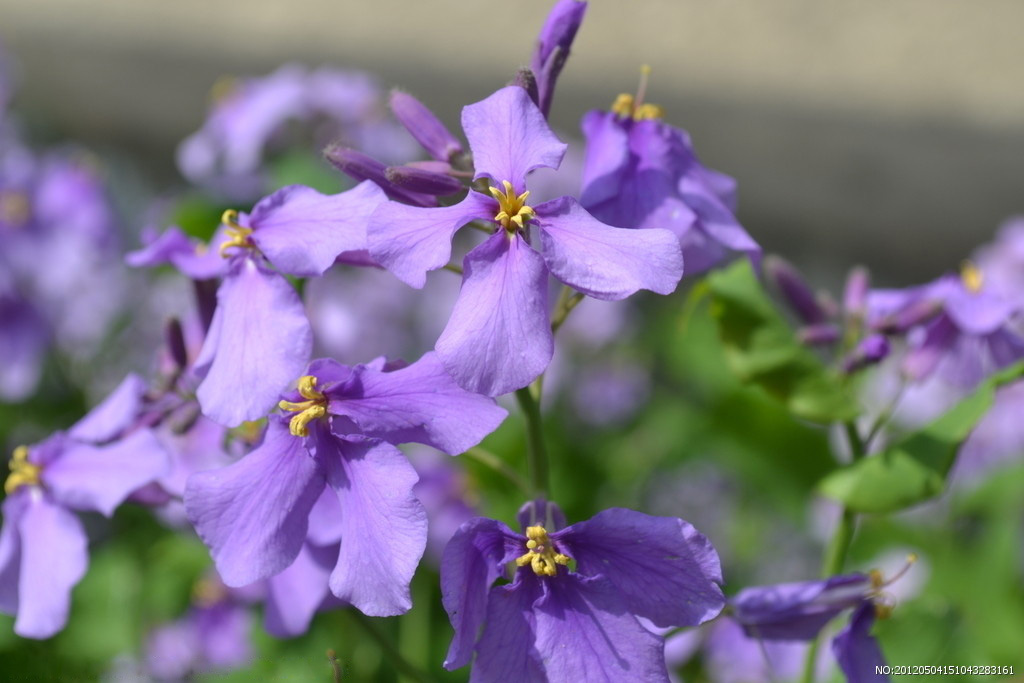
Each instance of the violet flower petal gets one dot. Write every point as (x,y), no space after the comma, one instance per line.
(507,651)
(856,650)
(586,633)
(302,232)
(384,525)
(602,261)
(114,414)
(663,568)
(54,557)
(498,338)
(798,610)
(294,595)
(509,137)
(410,241)
(100,478)
(253,514)
(472,561)
(262,342)
(421,403)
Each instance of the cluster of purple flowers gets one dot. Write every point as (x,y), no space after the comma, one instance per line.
(285,461)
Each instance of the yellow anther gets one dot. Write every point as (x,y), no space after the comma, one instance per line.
(207,592)
(314,408)
(14,208)
(238,235)
(23,473)
(541,555)
(512,207)
(628,106)
(972,277)
(884,602)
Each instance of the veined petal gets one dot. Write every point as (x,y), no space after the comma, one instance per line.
(384,527)
(409,241)
(54,557)
(114,414)
(797,610)
(507,651)
(294,595)
(10,549)
(302,231)
(606,159)
(586,633)
(856,650)
(253,514)
(509,137)
(473,559)
(325,525)
(498,338)
(602,261)
(421,403)
(100,478)
(263,342)
(662,567)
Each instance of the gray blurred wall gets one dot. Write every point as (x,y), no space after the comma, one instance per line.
(889,132)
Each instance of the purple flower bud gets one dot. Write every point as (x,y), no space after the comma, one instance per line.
(913,314)
(175,339)
(363,167)
(424,126)
(526,80)
(855,295)
(869,351)
(821,334)
(422,180)
(795,290)
(553,45)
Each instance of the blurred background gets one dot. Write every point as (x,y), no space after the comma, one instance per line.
(846,124)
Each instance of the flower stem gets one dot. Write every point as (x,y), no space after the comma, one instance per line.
(838,546)
(488,459)
(536,452)
(568,298)
(390,651)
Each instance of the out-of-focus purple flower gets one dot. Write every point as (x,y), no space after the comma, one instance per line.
(1002,261)
(611,394)
(213,636)
(870,350)
(250,120)
(552,49)
(797,293)
(732,656)
(499,336)
(444,491)
(42,543)
(254,515)
(642,173)
(23,342)
(996,441)
(970,330)
(259,338)
(556,624)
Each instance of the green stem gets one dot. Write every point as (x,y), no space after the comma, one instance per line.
(390,651)
(454,267)
(568,299)
(488,459)
(838,546)
(536,452)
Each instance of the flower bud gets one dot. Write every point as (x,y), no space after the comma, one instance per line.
(363,167)
(855,295)
(793,288)
(872,349)
(821,334)
(422,180)
(424,126)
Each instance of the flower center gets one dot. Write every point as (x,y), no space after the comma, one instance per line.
(972,277)
(238,235)
(628,106)
(306,411)
(541,555)
(512,208)
(23,473)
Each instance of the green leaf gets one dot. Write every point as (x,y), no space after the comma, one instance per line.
(914,468)
(761,349)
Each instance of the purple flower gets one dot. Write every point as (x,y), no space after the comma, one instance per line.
(259,338)
(996,441)
(212,636)
(42,543)
(255,514)
(960,328)
(499,337)
(731,656)
(642,173)
(555,623)
(798,611)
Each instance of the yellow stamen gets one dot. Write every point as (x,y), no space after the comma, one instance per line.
(207,592)
(512,207)
(23,473)
(541,555)
(972,277)
(314,408)
(628,106)
(884,602)
(238,235)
